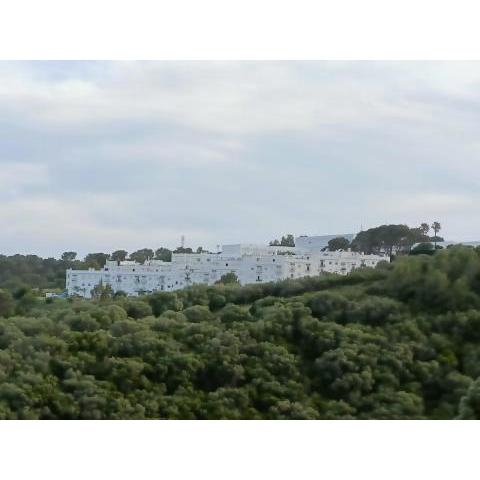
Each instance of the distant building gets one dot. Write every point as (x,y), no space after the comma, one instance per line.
(250,263)
(316,243)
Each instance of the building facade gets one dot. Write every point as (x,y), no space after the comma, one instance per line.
(250,263)
(309,243)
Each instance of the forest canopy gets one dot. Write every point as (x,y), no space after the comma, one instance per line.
(398,342)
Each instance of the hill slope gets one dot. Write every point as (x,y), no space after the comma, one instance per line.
(402,341)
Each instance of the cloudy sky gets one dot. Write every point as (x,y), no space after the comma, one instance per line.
(96,156)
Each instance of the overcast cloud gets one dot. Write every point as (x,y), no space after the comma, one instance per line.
(96,156)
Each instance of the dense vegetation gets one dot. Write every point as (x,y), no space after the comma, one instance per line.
(391,239)
(401,341)
(32,271)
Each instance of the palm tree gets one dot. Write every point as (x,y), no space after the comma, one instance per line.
(436,227)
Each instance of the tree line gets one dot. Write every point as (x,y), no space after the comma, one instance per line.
(389,239)
(32,271)
(401,341)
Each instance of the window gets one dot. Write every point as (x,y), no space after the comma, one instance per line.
(226,264)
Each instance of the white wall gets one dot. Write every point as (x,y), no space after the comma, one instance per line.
(251,264)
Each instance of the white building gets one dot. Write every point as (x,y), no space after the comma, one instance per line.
(250,263)
(316,243)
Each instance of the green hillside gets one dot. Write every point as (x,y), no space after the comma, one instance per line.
(398,342)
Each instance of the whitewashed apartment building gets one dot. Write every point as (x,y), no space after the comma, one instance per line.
(250,263)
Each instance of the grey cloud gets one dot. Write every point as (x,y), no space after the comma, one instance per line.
(130,154)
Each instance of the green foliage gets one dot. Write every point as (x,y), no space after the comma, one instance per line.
(398,342)
(470,403)
(96,260)
(229,278)
(339,243)
(102,291)
(17,271)
(424,248)
(183,250)
(69,256)
(137,309)
(163,301)
(142,255)
(7,304)
(286,241)
(389,238)
(119,255)
(163,254)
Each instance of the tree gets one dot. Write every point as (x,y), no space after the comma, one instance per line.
(138,309)
(417,235)
(228,278)
(7,304)
(424,228)
(69,256)
(163,301)
(401,342)
(163,254)
(287,241)
(102,291)
(469,408)
(142,255)
(386,238)
(424,248)
(119,255)
(183,250)
(436,227)
(96,260)
(339,243)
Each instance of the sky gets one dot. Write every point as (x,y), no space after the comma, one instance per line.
(97,156)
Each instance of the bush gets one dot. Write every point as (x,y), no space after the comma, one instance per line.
(401,341)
